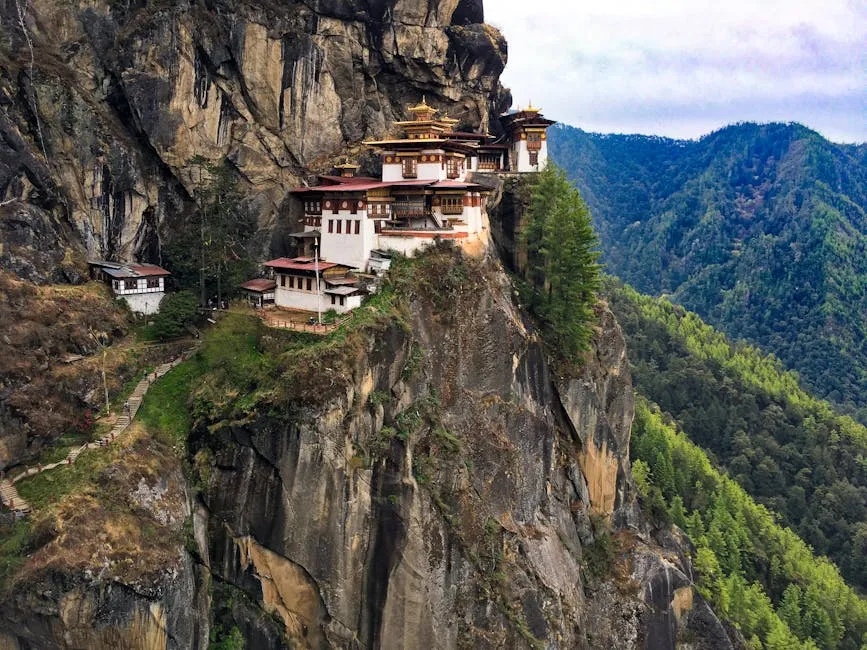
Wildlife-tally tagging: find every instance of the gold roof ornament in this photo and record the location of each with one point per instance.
(531, 108)
(422, 109)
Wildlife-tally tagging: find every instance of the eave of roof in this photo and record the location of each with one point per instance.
(260, 285)
(295, 264)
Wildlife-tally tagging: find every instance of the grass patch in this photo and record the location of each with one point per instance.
(41, 490)
(165, 410)
(14, 540)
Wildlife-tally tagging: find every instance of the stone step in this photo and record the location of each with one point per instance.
(9, 494)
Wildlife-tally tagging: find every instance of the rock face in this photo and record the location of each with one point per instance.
(453, 493)
(431, 485)
(448, 490)
(99, 128)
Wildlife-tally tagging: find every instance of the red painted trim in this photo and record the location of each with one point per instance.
(421, 234)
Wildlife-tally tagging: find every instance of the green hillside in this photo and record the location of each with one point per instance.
(759, 575)
(787, 449)
(760, 229)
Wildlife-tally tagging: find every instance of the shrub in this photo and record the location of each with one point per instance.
(177, 311)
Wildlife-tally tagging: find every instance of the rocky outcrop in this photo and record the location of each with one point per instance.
(450, 492)
(427, 483)
(108, 568)
(100, 128)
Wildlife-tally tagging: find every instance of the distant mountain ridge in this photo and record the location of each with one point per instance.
(760, 229)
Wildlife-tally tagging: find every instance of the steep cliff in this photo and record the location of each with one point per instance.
(106, 103)
(422, 481)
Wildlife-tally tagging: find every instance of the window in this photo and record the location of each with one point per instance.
(452, 205)
(377, 226)
(309, 284)
(534, 141)
(348, 227)
(333, 299)
(331, 225)
(534, 158)
(410, 168)
(342, 300)
(339, 226)
(453, 168)
(129, 285)
(358, 227)
(153, 283)
(116, 285)
(282, 280)
(291, 282)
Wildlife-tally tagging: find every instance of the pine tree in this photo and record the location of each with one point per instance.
(562, 270)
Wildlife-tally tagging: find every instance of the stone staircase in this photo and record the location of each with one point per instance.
(9, 495)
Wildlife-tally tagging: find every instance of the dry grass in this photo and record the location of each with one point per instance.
(43, 329)
(93, 517)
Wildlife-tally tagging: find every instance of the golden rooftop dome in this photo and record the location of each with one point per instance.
(531, 108)
(423, 107)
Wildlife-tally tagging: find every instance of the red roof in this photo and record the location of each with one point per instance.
(260, 284)
(147, 269)
(364, 187)
(361, 187)
(340, 180)
(300, 264)
(453, 185)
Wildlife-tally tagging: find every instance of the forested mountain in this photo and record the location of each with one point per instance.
(787, 449)
(759, 575)
(760, 229)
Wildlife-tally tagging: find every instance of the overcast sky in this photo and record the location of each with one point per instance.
(683, 68)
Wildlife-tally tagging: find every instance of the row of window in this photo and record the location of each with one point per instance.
(132, 285)
(293, 281)
(339, 225)
(409, 167)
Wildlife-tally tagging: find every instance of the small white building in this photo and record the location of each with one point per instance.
(308, 284)
(142, 286)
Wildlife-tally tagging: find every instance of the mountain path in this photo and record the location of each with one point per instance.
(15, 502)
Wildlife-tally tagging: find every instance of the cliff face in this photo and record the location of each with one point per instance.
(100, 125)
(428, 484)
(449, 493)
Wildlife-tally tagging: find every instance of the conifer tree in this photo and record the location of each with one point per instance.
(562, 271)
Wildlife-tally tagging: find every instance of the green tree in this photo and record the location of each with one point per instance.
(562, 271)
(177, 311)
(210, 247)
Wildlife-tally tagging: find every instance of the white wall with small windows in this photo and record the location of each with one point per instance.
(341, 304)
(292, 292)
(347, 237)
(526, 160)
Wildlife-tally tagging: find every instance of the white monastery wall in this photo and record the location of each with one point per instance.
(147, 303)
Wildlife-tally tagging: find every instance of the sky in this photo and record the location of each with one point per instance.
(683, 68)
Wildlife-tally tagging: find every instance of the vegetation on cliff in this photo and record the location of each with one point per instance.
(561, 276)
(757, 573)
(760, 229)
(786, 448)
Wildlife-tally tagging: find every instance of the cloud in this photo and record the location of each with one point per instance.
(684, 67)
